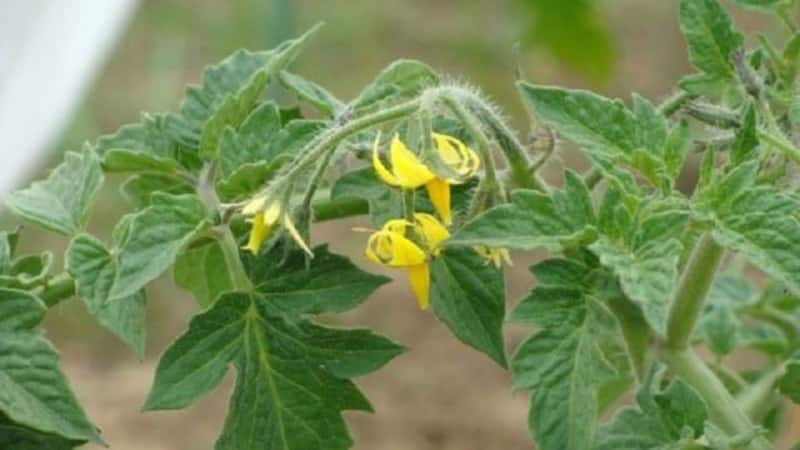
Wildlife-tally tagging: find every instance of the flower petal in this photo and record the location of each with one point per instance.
(394, 250)
(409, 170)
(255, 205)
(272, 213)
(433, 230)
(439, 194)
(383, 173)
(420, 280)
(258, 234)
(460, 158)
(289, 225)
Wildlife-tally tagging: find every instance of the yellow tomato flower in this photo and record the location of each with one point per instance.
(392, 247)
(496, 256)
(408, 172)
(264, 218)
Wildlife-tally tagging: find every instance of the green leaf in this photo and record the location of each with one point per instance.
(152, 240)
(61, 202)
(251, 142)
(202, 271)
(230, 90)
(757, 221)
(139, 188)
(293, 377)
(676, 149)
(789, 383)
(137, 146)
(668, 419)
(93, 268)
(384, 202)
(33, 391)
(710, 36)
(595, 122)
(119, 160)
(328, 283)
(644, 252)
(318, 96)
(401, 79)
(534, 220)
(574, 32)
(562, 363)
(719, 325)
(468, 295)
(16, 437)
(28, 270)
(746, 141)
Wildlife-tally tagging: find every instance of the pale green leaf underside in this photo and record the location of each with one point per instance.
(202, 271)
(61, 201)
(93, 269)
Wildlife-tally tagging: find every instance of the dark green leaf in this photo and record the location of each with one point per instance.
(292, 382)
(33, 391)
(384, 202)
(329, 283)
(789, 383)
(468, 295)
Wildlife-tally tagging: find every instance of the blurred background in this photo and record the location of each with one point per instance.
(129, 56)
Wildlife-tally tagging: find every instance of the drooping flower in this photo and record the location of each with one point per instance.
(496, 256)
(264, 216)
(408, 172)
(403, 244)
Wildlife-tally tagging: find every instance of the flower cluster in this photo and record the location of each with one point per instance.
(411, 244)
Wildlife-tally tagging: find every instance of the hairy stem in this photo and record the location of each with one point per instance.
(757, 399)
(635, 332)
(689, 298)
(327, 141)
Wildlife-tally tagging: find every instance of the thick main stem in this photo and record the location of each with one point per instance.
(689, 298)
(687, 304)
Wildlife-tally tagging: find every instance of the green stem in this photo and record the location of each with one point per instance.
(675, 102)
(327, 141)
(786, 147)
(635, 332)
(489, 188)
(592, 177)
(758, 398)
(339, 208)
(230, 249)
(689, 298)
(59, 287)
(233, 261)
(408, 205)
(785, 322)
(514, 152)
(722, 407)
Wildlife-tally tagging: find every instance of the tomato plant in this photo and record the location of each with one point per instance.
(225, 192)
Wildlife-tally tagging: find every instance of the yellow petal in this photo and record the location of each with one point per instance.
(258, 234)
(383, 173)
(409, 170)
(289, 225)
(433, 230)
(439, 194)
(394, 250)
(419, 277)
(460, 158)
(272, 213)
(255, 205)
